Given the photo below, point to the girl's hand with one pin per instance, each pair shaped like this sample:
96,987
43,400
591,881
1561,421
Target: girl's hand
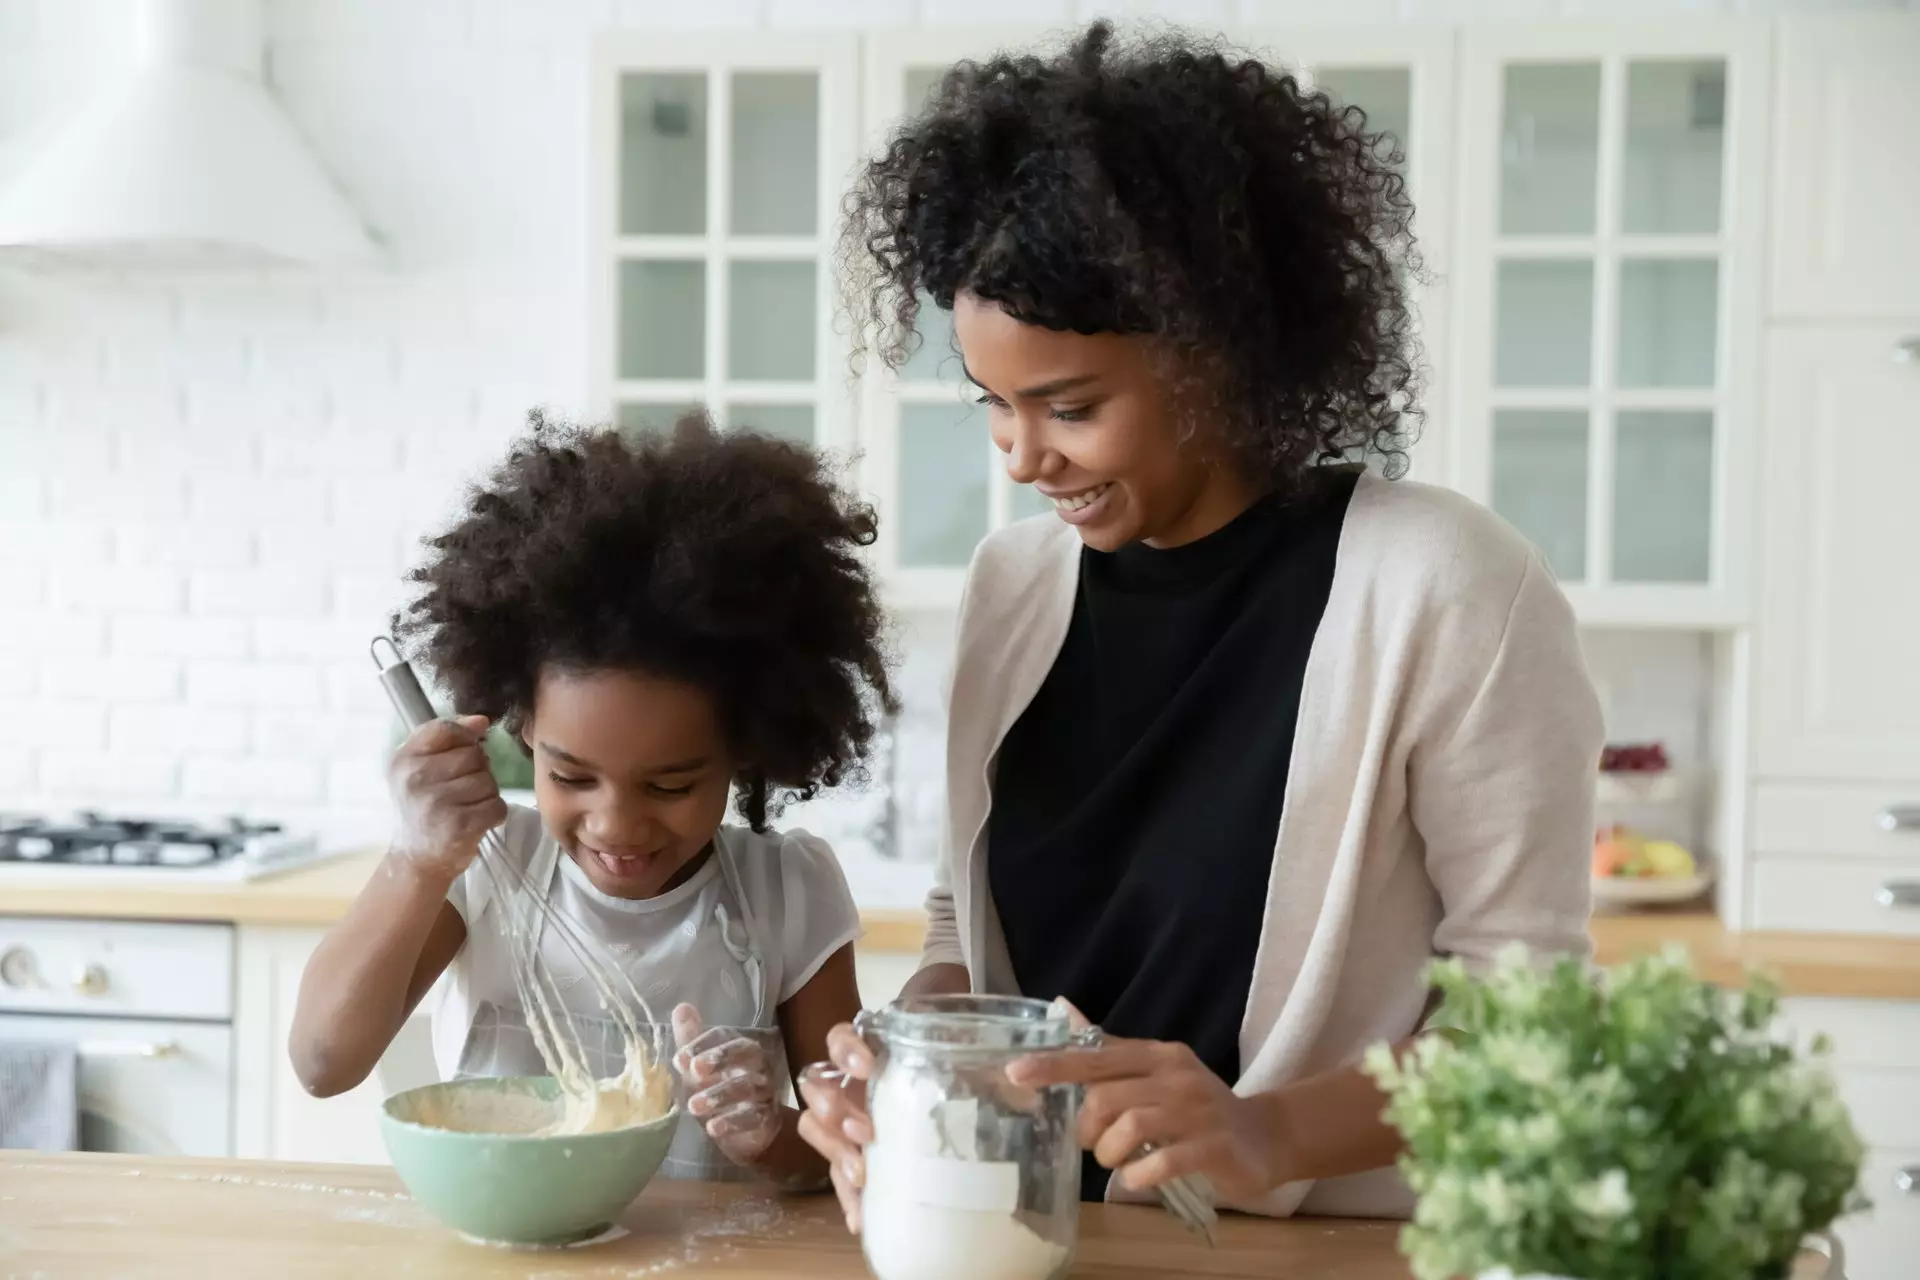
446,795
1151,1091
729,1086
835,1122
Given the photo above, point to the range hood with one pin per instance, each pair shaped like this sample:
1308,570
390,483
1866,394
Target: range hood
188,158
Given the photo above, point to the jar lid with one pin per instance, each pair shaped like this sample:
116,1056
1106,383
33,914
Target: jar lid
970,1023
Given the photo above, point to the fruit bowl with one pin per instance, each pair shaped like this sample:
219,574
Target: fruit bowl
515,1188
1648,891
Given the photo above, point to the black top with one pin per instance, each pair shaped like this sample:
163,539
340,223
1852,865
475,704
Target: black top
1137,799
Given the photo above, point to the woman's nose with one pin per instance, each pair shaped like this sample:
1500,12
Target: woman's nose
1020,440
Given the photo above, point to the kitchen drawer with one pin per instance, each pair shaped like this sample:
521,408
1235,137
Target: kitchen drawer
1843,819
1823,894
1883,1243
116,968
1865,1033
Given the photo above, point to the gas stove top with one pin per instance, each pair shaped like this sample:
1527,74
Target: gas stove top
99,843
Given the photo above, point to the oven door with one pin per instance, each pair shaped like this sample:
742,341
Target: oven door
146,1087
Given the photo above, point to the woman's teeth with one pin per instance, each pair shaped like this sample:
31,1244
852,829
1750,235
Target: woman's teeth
1081,500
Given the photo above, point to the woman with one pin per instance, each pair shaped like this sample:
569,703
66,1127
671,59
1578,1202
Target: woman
1247,734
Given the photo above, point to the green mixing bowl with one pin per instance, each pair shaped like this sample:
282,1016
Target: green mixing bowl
514,1189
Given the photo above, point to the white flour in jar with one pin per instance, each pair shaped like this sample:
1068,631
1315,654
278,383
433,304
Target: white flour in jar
930,1210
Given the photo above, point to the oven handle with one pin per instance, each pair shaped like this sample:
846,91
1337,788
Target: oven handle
129,1049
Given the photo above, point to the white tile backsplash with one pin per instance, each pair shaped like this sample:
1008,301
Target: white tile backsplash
209,482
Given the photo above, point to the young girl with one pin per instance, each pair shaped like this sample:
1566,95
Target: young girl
663,624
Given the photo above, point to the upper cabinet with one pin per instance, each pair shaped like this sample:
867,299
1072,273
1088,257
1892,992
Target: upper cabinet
1610,232
716,171
927,455
1847,169
1837,688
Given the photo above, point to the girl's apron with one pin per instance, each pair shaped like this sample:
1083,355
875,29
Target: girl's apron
499,1042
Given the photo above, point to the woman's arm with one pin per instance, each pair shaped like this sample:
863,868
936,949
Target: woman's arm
369,972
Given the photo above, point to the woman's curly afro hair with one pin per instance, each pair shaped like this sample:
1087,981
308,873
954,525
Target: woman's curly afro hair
1161,187
729,561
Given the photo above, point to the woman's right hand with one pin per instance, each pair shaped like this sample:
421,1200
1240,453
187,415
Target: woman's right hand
836,1123
447,797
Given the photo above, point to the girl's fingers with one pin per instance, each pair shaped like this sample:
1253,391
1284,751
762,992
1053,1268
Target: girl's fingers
743,1087
734,1052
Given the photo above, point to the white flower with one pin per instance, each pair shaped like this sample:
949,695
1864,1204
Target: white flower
1605,1197
1495,1198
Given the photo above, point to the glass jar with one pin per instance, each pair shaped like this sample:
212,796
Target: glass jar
968,1175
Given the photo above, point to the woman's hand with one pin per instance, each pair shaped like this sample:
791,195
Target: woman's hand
729,1086
1151,1091
444,789
835,1122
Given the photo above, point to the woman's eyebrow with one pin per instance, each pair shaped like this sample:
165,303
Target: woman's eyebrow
1042,390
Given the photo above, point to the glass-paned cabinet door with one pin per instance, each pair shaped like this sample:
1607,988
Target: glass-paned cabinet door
716,169
1608,250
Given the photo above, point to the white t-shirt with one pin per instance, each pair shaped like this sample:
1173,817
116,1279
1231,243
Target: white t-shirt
737,946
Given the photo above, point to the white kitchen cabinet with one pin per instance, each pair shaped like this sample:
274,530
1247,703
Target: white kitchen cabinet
1876,1063
717,163
1847,167
275,1118
1837,687
1612,210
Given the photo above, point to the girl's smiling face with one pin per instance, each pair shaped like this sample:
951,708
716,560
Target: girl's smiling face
632,775
1088,421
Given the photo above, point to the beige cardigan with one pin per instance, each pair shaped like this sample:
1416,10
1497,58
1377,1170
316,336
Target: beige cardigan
1439,795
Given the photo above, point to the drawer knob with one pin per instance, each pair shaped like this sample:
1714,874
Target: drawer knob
90,980
1899,893
1900,817
1907,1179
19,969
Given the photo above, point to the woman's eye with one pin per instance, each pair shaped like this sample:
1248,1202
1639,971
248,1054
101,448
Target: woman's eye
571,784
991,400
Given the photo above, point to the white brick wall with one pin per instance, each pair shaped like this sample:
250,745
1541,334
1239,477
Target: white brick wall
209,483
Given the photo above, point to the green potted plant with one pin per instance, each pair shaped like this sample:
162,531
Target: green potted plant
1635,1124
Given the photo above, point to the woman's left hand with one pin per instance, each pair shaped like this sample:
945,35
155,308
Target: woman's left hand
729,1086
1152,1091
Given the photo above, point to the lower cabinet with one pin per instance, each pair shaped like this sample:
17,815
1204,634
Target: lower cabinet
275,1118
1876,1062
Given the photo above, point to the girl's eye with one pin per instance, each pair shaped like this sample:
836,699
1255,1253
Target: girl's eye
674,792
571,784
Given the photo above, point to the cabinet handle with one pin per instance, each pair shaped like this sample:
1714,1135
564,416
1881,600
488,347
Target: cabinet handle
1907,351
129,1049
1899,893
1900,817
1907,1179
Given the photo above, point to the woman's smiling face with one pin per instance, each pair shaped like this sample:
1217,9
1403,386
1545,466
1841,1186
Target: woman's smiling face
631,772
1087,420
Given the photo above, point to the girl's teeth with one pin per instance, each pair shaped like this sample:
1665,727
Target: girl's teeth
1084,500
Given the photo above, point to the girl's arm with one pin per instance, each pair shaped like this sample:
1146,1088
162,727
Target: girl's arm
831,997
369,972
401,933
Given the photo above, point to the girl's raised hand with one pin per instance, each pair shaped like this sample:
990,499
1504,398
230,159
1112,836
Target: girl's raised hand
446,795
729,1086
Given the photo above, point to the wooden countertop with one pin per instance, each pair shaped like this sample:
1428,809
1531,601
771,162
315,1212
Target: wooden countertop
83,1216
1806,964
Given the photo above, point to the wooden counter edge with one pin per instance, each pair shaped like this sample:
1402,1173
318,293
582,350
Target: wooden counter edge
1835,965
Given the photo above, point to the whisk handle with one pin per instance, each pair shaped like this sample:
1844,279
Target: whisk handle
402,686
